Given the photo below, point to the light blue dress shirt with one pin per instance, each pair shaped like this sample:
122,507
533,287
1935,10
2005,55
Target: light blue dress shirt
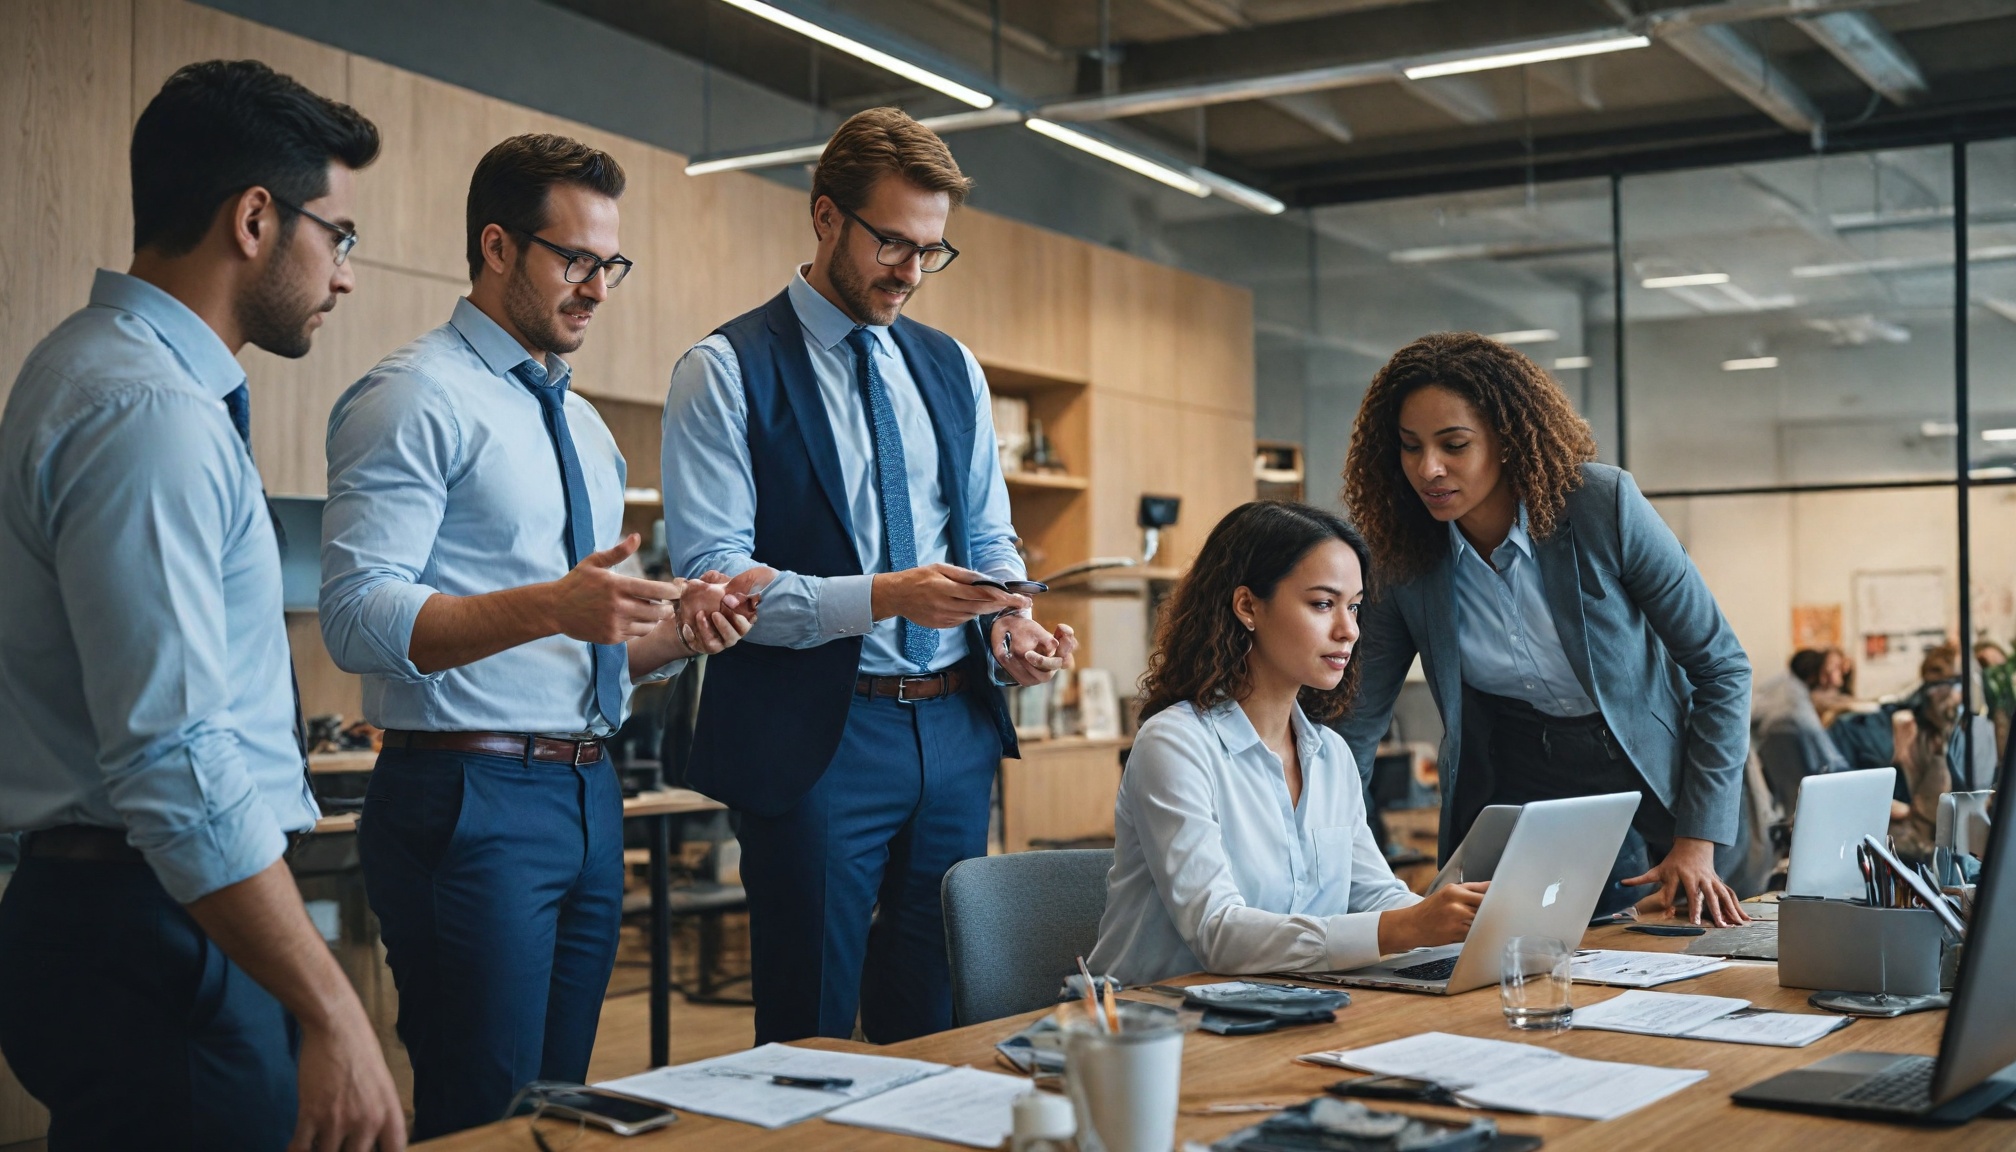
1215,871
443,479
144,675
710,492
1505,630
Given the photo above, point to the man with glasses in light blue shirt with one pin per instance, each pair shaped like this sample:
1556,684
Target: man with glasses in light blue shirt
158,973
470,545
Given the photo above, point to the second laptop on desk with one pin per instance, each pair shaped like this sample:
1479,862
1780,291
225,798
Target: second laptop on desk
1546,883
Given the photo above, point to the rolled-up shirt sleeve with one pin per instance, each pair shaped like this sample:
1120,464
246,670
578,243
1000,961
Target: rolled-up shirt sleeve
1186,848
394,445
155,480
710,507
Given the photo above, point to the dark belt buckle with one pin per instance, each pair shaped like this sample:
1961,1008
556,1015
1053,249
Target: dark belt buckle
903,686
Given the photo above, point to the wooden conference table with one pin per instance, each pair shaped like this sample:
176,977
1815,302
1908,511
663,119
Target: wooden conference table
1224,1069
658,806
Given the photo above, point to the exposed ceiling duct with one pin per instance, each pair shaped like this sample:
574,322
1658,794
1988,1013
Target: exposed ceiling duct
1869,51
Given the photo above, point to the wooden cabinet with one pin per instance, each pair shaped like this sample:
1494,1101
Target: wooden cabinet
1059,791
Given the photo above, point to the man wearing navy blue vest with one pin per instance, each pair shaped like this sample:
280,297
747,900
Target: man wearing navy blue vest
840,460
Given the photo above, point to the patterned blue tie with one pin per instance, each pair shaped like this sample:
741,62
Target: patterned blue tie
610,659
892,481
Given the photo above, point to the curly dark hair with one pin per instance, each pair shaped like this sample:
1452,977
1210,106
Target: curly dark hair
1545,444
1200,647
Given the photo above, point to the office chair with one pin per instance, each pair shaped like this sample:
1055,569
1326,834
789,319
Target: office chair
1015,926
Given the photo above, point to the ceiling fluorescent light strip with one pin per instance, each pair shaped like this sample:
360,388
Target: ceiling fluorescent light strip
1568,363
1691,280
1249,198
1612,42
1998,434
860,51
1131,161
807,153
1525,336
1749,363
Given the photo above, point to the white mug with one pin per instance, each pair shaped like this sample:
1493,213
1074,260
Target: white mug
1124,1085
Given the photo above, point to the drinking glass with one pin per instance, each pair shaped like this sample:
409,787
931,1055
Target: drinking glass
1534,984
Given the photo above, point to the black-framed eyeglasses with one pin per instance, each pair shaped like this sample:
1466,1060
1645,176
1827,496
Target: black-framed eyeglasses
346,238
582,266
895,253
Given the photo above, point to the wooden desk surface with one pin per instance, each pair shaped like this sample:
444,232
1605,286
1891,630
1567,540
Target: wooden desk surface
658,802
1218,1069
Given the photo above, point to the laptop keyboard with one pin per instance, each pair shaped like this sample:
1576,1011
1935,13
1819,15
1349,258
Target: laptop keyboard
1429,969
1904,1087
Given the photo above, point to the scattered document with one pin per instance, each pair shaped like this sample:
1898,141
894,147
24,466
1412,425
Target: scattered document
1778,1029
963,1106
739,1086
1705,1018
1656,1013
1640,969
1513,1077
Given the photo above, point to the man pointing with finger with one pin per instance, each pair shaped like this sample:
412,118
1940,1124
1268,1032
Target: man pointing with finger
468,575
849,459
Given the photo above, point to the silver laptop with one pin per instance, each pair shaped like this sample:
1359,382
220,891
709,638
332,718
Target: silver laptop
1835,811
1976,1065
1547,882
1476,858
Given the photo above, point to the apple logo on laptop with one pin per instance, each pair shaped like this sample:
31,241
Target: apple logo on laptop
1553,893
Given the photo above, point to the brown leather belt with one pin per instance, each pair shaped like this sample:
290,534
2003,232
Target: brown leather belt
550,749
910,689
82,842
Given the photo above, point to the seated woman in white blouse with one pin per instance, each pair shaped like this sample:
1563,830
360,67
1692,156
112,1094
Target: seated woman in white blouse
1241,841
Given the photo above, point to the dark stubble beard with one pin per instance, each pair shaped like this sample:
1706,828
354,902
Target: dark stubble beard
854,292
535,319
274,313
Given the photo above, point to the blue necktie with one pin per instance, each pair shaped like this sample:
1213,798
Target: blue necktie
610,659
892,481
238,403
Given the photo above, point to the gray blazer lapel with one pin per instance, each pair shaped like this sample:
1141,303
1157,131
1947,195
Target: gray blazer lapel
1442,657
1563,589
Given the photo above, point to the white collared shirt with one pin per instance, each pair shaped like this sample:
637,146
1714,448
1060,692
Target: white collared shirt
1214,870
1505,630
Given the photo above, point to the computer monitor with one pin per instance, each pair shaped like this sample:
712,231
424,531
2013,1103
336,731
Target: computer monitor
1980,1037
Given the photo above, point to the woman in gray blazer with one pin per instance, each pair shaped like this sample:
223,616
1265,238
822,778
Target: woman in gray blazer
1570,644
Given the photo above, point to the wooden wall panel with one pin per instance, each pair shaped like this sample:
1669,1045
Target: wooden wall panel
1135,451
65,86
725,244
1214,338
410,203
291,399
1217,463
1017,296
1135,326
170,33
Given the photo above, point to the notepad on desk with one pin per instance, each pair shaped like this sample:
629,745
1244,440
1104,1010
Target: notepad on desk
740,1086
1721,1018
962,1106
1514,1077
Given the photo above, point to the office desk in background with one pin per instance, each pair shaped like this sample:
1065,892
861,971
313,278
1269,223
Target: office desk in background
1219,1069
659,807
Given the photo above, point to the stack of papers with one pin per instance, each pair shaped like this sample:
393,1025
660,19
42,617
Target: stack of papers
1706,1018
962,1106
1640,969
739,1086
1517,1077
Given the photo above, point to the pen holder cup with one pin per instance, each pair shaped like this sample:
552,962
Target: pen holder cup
1125,1085
1848,946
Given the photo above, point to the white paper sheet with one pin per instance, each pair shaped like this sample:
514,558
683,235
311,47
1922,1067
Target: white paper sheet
738,1086
1517,1077
963,1106
1640,969
1656,1013
1778,1029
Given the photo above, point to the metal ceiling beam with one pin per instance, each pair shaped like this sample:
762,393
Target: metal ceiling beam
1869,51
1723,53
1462,98
1316,111
1701,28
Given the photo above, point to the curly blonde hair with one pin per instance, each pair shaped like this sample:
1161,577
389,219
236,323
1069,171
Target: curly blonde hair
1545,443
1201,647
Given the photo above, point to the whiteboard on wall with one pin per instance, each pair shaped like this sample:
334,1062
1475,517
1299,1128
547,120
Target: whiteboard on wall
1898,616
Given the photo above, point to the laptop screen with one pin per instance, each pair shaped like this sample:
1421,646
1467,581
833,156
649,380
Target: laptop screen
1980,1035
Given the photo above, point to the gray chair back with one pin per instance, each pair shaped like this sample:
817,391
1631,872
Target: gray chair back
1015,926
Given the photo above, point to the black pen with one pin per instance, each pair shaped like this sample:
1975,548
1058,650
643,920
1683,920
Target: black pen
832,1083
